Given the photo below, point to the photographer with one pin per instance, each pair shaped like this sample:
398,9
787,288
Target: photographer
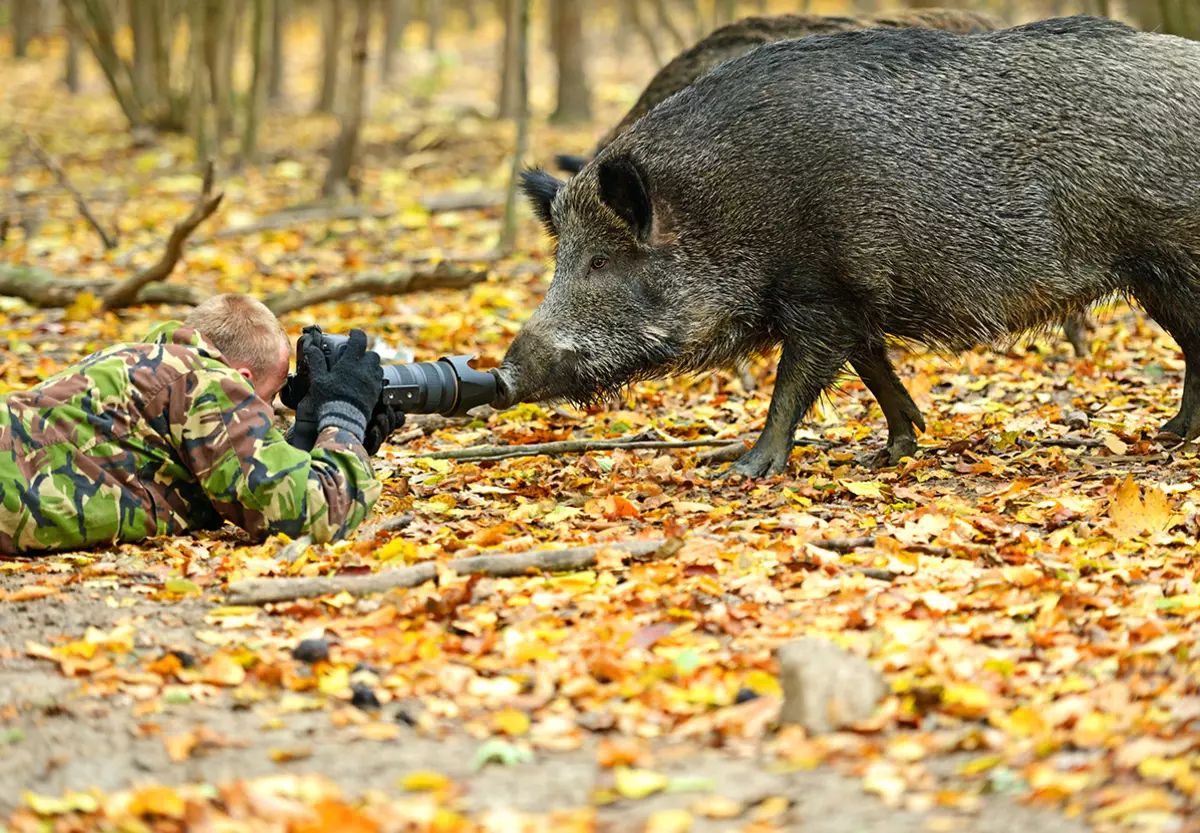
175,433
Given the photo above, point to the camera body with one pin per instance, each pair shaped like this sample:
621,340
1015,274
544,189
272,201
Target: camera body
449,386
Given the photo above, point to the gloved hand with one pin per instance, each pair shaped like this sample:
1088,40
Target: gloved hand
303,433
345,392
383,424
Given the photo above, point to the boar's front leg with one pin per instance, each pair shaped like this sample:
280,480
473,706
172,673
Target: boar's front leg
805,370
875,369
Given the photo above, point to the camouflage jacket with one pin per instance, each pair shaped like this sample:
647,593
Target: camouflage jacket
158,437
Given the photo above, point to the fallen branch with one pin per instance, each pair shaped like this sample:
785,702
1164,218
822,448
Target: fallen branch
843,544
443,275
109,240
503,452
126,292
262,591
318,213
44,289
462,200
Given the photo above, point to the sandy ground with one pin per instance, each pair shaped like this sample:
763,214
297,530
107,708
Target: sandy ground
73,740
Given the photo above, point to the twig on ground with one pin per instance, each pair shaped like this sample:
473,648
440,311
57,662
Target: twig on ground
503,452
843,544
462,200
442,275
1071,442
317,213
878,574
728,453
109,240
126,292
262,591
369,531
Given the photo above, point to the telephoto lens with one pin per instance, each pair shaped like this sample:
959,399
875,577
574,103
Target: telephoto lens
449,386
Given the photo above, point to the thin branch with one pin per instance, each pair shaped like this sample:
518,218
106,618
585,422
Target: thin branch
320,212
442,275
109,241
262,591
502,452
125,292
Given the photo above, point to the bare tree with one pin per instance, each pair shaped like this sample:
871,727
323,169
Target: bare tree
632,17
574,97
198,34
141,26
396,16
275,90
664,20
345,149
510,81
71,67
256,95
25,15
331,43
724,11
508,235
434,14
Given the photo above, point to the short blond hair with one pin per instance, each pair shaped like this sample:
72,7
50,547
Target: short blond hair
243,329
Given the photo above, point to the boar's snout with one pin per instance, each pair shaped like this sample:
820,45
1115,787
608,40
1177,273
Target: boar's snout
535,369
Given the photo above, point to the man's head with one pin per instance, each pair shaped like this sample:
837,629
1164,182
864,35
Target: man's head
250,338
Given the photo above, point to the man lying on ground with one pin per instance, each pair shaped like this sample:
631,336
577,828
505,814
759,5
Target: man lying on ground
176,433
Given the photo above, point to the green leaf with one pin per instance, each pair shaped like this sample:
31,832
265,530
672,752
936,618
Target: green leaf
499,751
182,586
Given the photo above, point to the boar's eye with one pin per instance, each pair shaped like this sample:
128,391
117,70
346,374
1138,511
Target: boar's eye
598,263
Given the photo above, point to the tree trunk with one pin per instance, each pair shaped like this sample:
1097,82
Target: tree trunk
141,26
574,97
510,72
434,16
24,23
508,235
345,149
396,15
664,20
331,43
275,89
71,71
256,95
94,26
633,14
198,35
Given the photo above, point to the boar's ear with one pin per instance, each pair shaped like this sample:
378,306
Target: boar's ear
541,188
623,189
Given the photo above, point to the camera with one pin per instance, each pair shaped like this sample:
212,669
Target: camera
449,386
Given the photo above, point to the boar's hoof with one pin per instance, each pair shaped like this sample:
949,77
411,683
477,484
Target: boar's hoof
900,448
759,462
1177,430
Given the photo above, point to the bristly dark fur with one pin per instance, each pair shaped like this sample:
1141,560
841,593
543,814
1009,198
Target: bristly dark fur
741,36
831,194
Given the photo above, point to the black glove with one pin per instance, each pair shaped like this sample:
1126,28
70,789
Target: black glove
303,433
345,393
383,424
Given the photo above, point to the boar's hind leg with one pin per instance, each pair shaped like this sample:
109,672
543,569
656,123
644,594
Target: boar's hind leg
805,370
875,369
1176,306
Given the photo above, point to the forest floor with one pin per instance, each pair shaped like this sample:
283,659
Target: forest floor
1031,590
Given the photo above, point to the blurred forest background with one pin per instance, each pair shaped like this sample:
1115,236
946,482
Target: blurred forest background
304,104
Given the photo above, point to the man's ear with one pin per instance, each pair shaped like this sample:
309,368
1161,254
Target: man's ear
246,373
624,189
541,188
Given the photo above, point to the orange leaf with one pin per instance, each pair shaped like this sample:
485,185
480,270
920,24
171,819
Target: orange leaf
31,592
157,801
223,669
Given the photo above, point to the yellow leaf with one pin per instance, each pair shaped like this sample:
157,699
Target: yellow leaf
157,801
764,684
223,669
335,682
717,807
1114,444
512,722
424,780
1140,802
296,753
1129,516
71,802
966,700
84,307
864,488
182,586
669,821
379,731
639,783
397,549
980,765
